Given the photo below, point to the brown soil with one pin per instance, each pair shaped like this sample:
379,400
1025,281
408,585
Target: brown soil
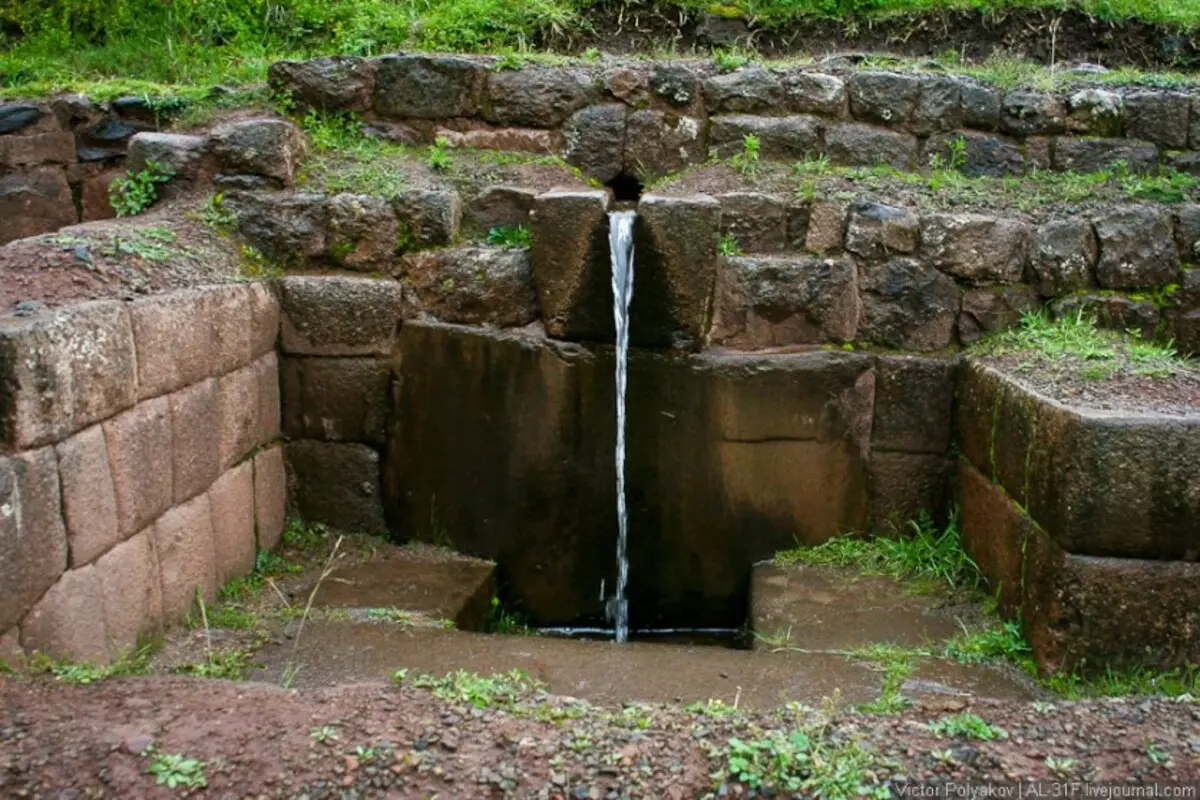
86,741
620,28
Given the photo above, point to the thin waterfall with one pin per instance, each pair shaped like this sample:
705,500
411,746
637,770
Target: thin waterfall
620,242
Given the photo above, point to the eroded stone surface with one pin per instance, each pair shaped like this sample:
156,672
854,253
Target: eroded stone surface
336,483
571,264
330,316
32,536
336,399
474,286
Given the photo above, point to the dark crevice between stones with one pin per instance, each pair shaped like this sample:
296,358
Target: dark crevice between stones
625,188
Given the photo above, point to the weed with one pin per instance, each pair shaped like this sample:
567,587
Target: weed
506,621
510,237
896,664
326,733
926,554
174,770
579,744
1044,708
439,154
393,614
1000,640
231,665
803,764
135,662
711,708
749,159
501,690
730,60
1158,756
305,538
510,61
136,191
1127,681
215,215
255,266
364,754
1061,767
966,726
728,246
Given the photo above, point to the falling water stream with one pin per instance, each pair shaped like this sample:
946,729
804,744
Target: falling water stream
620,242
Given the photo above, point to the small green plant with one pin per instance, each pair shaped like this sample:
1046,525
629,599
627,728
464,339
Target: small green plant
728,246
510,237
134,192
730,60
1000,640
966,726
1158,756
216,215
799,763
510,61
305,538
135,662
393,615
501,690
503,620
324,734
365,754
439,154
711,708
253,265
1061,767
231,665
174,770
748,160
896,663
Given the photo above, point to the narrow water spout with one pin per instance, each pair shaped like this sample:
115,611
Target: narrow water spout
620,241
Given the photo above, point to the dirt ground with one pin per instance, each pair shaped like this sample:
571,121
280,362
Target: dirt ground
71,741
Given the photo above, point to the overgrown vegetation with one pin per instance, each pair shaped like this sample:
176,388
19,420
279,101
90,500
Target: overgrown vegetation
510,237
134,192
804,763
501,690
346,159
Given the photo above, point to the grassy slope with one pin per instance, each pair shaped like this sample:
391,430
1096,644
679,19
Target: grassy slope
206,42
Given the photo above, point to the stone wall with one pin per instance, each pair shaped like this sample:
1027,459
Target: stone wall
1083,521
138,462
651,119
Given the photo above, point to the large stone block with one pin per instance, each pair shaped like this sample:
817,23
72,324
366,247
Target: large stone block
195,414
33,202
57,147
976,247
815,93
675,240
889,98
68,622
780,138
908,304
429,87
658,143
746,90
238,414
362,232
1137,247
1113,311
140,452
1072,154
231,503
876,231
571,264
272,148
16,116
337,83
1159,117
825,231
595,141
64,370
1096,112
939,105
994,534
906,486
779,301
337,484
757,222
270,496
290,228
981,155
183,541
851,144
1024,113
132,591
269,422
32,537
993,308
540,97
264,318
337,316
914,403
12,655
500,207
337,399
427,217
1062,256
89,500
474,286
186,156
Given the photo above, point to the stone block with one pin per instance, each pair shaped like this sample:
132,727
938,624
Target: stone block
1096,112
780,301
757,221
272,148
184,155
1158,117
993,308
746,90
595,141
270,496
140,453
337,399
183,541
983,155
815,93
64,370
939,105
1071,154
994,534
826,229
90,182
269,421
500,207
877,232
362,232
195,414
904,486
914,404
1187,232
106,139
57,147
337,484
571,264
779,138
473,286
16,116
35,201
131,589
11,653
231,503
676,241
851,144
1137,248
336,83
32,536
539,97
1024,113
907,304
264,318
89,500
238,413
290,228
1062,256
429,87
658,143
675,83
888,98
980,105
427,217
337,316
629,85
68,622
978,248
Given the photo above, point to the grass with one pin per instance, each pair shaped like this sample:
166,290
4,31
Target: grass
925,555
966,726
802,762
501,690
511,237
345,159
1102,354
136,662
